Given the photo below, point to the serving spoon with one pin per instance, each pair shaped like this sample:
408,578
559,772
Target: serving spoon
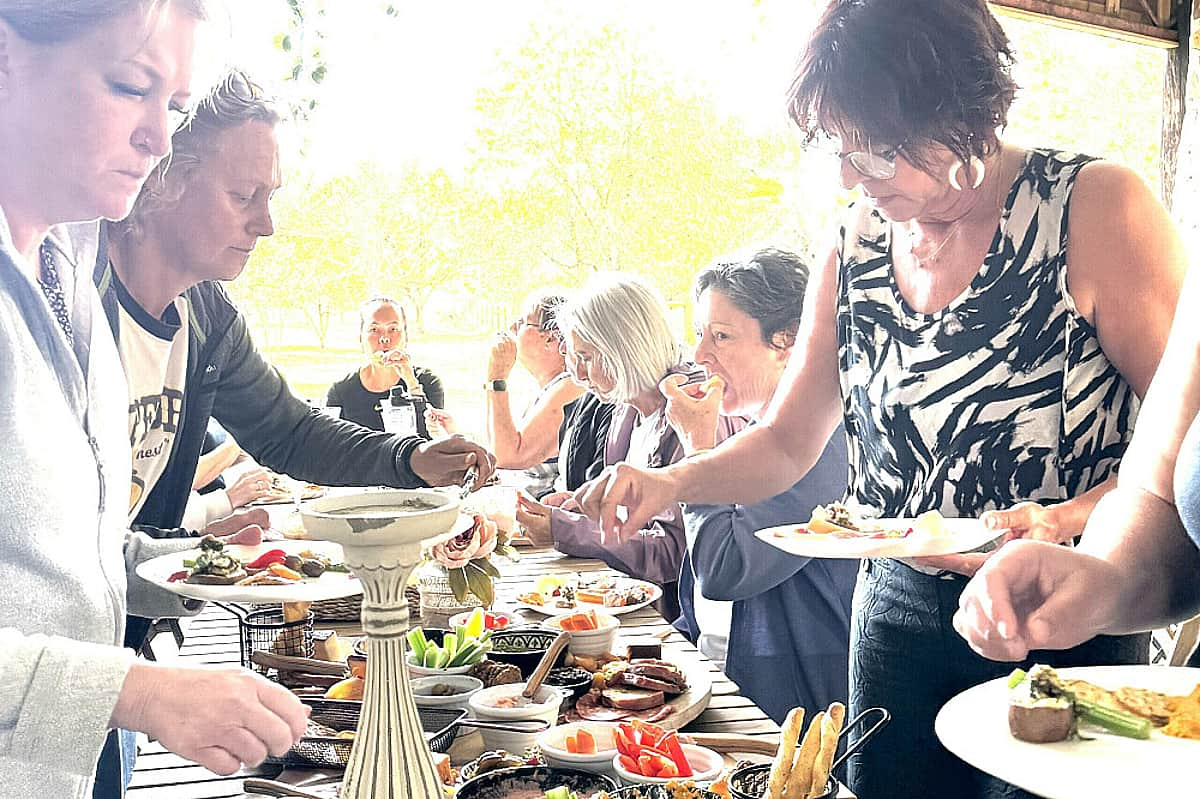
545,664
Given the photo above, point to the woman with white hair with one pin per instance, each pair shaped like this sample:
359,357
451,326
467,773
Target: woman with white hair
618,343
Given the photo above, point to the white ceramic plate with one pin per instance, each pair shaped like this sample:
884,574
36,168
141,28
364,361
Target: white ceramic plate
974,726
962,535
551,609
330,585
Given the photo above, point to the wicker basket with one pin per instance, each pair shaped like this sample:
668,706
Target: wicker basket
265,630
347,608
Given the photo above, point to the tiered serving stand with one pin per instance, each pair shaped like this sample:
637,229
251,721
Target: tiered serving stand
382,546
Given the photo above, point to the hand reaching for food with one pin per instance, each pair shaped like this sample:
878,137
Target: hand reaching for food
534,518
253,484
219,717
445,461
502,358
693,410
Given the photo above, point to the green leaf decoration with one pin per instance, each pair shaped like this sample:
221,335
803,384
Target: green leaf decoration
481,586
486,566
458,583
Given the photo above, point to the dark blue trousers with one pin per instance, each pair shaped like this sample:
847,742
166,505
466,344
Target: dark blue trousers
905,656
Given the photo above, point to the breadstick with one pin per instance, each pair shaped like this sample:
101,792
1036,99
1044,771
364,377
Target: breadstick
801,777
792,727
830,729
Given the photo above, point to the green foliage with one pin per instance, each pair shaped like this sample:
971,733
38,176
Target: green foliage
605,163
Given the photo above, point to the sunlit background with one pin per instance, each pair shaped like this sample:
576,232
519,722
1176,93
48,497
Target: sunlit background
459,155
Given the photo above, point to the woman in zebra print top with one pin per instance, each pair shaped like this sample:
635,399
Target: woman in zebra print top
984,348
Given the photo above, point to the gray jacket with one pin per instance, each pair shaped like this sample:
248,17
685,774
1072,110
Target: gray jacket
64,553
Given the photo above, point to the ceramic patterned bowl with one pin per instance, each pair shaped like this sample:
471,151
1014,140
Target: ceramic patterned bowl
522,647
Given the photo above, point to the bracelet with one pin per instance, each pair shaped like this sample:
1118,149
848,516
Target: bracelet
496,385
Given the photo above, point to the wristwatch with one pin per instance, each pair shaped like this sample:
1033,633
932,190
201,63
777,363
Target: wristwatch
496,385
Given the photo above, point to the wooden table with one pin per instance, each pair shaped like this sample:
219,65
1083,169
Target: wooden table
212,637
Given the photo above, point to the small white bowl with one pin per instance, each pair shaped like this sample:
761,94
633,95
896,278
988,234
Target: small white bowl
420,671
544,706
587,642
706,766
457,688
553,743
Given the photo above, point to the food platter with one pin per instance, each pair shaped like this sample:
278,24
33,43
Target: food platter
652,593
956,535
330,585
974,726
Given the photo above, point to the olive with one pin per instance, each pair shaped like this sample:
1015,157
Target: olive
293,562
313,567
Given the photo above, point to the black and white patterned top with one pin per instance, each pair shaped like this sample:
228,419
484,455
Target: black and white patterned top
1004,395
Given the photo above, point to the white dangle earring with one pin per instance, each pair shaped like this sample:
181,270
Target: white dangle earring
978,169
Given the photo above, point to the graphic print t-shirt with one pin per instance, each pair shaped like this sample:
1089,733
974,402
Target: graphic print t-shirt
154,353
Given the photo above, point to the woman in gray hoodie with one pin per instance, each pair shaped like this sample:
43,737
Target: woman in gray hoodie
87,94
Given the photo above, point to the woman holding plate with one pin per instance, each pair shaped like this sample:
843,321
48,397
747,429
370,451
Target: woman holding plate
983,326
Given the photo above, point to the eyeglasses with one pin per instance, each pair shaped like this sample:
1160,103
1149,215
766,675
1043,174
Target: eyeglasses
873,165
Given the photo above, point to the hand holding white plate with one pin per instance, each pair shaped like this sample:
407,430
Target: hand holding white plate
954,536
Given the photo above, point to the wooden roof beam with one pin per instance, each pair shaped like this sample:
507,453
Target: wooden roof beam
1115,23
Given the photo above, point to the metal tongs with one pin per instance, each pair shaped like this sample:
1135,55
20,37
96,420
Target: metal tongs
469,479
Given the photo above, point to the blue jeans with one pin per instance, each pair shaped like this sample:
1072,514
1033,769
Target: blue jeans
905,656
115,767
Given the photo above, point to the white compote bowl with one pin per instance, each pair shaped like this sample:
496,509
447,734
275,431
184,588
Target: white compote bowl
382,534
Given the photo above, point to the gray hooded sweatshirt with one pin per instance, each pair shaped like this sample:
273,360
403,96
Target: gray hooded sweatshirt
65,549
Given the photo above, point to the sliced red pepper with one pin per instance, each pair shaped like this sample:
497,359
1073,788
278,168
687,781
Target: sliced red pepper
669,770
648,765
621,741
629,764
179,575
670,745
651,734
267,558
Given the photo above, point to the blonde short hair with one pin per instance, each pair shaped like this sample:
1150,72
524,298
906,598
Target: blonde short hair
56,21
626,321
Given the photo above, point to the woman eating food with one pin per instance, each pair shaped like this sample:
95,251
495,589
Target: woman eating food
535,342
616,334
383,333
985,350
90,91
789,638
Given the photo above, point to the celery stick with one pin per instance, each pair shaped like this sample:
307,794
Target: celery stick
1016,678
1115,721
416,640
431,656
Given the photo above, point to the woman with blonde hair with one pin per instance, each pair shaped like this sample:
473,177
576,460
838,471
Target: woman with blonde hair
90,91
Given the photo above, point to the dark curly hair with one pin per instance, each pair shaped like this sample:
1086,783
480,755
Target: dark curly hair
769,287
906,73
